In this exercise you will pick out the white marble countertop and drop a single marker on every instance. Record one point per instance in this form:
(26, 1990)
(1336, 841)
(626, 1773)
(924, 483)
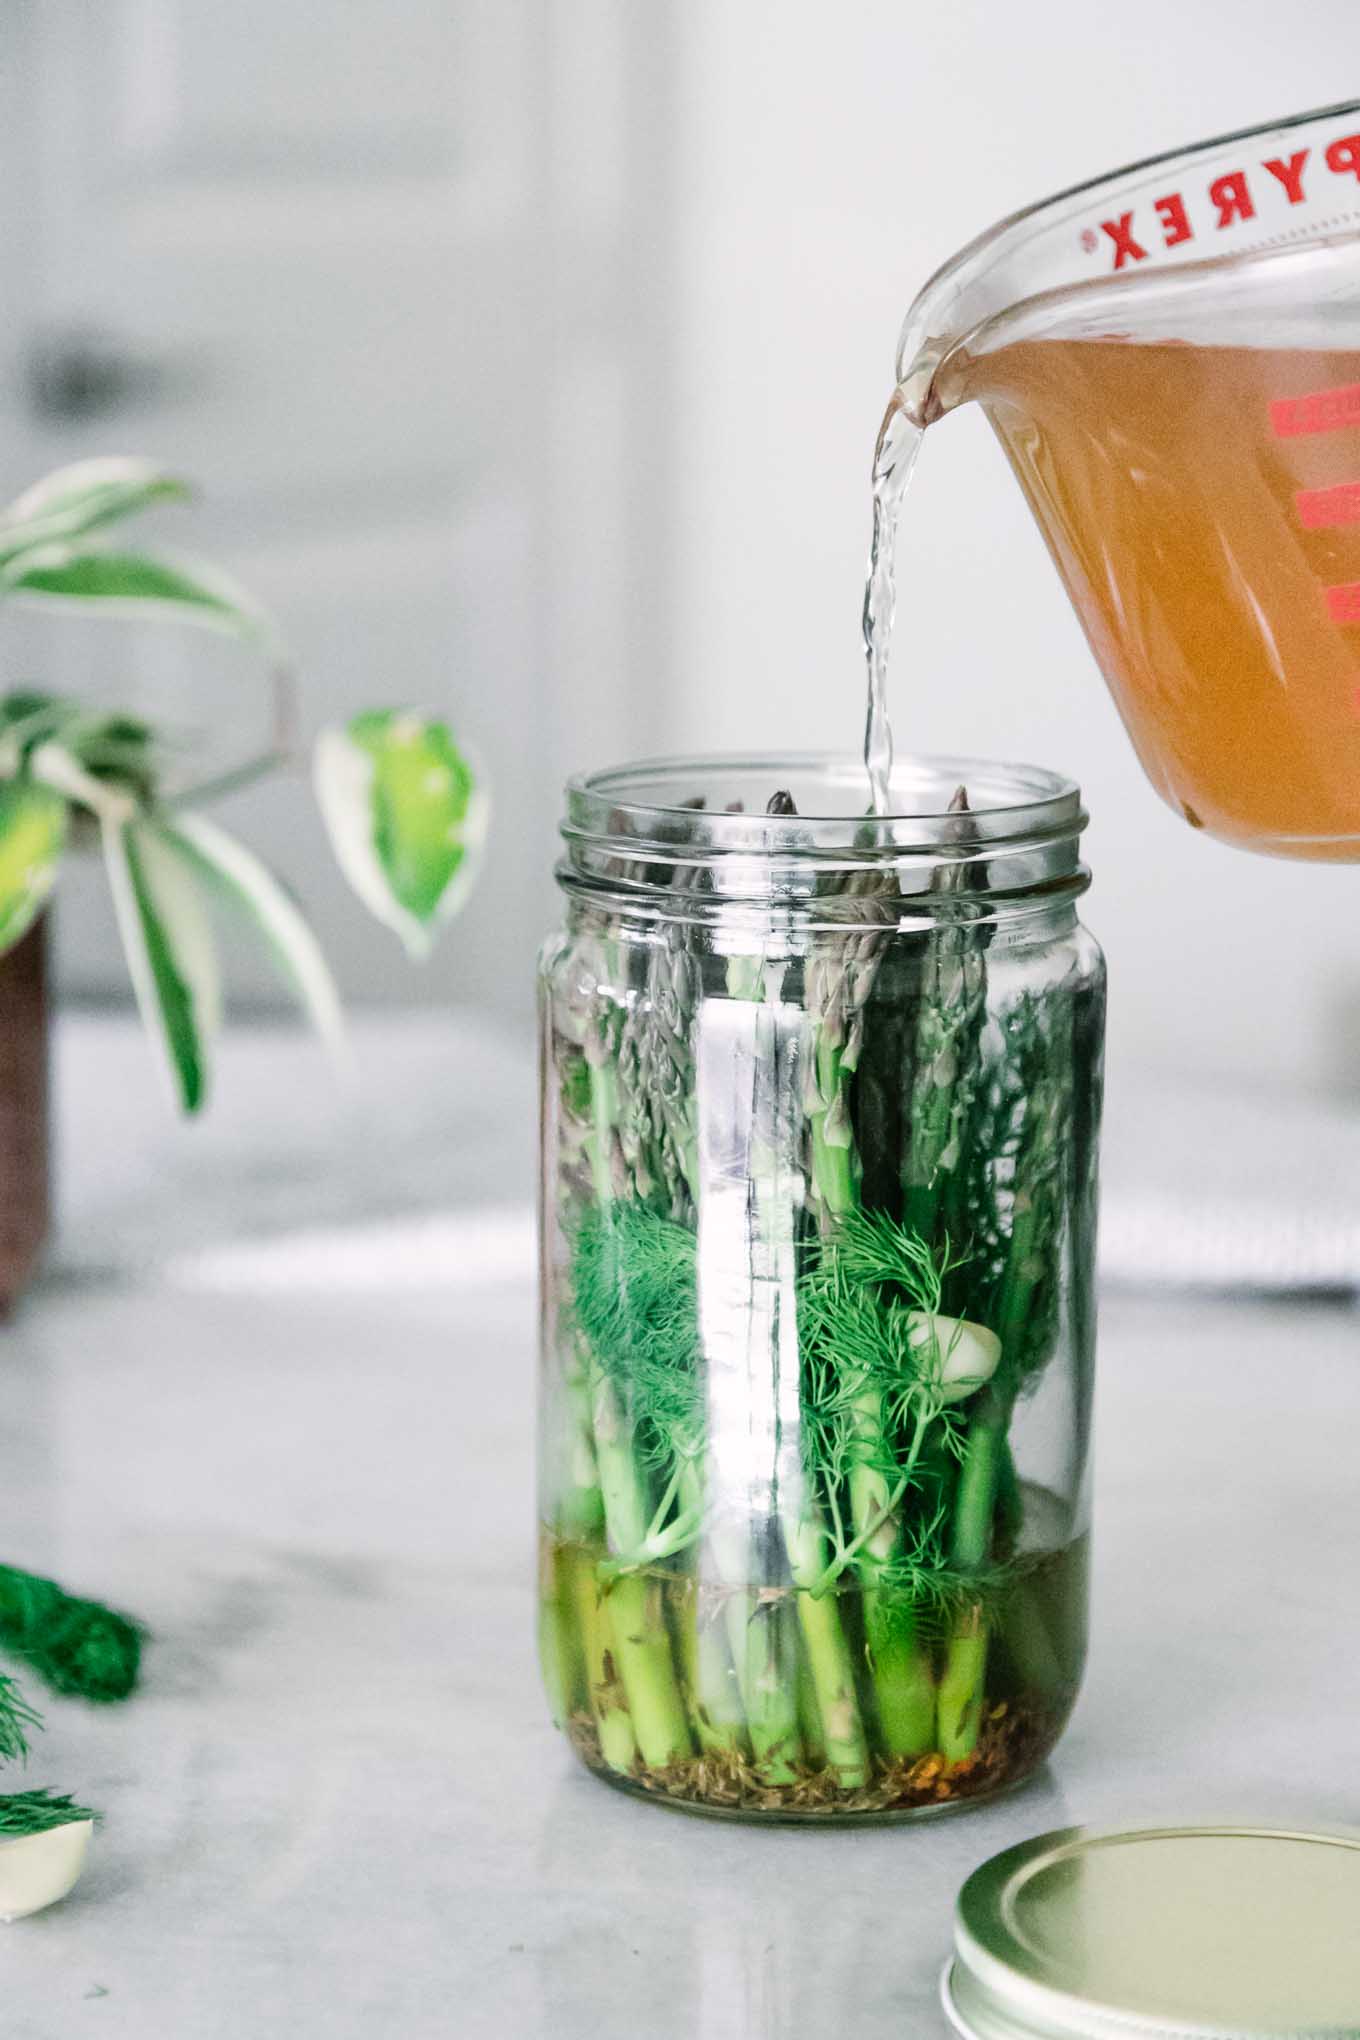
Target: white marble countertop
(337, 1807)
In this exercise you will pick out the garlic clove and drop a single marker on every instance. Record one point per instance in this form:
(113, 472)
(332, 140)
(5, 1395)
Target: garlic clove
(965, 1355)
(37, 1870)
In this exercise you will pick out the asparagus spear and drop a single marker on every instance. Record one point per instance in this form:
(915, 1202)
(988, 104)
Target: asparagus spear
(763, 1647)
(878, 1390)
(944, 1069)
(660, 1033)
(631, 1602)
(838, 980)
(573, 1638)
(607, 1695)
(838, 990)
(653, 1057)
(1041, 1066)
(625, 1632)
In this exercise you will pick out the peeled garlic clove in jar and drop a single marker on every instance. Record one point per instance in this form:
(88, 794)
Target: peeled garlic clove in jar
(37, 1870)
(964, 1356)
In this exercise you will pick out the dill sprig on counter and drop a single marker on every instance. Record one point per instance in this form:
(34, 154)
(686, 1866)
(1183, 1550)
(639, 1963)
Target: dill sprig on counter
(35, 1813)
(76, 1646)
(16, 1719)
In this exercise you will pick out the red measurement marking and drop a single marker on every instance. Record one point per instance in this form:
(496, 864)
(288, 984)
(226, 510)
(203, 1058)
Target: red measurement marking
(1320, 411)
(1343, 602)
(1320, 509)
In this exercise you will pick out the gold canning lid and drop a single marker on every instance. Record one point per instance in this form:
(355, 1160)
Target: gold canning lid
(1193, 1933)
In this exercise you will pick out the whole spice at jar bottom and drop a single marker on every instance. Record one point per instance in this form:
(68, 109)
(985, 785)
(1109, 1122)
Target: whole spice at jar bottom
(1011, 1741)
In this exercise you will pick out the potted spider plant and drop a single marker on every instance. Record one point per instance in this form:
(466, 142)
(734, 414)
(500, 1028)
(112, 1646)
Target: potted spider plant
(405, 809)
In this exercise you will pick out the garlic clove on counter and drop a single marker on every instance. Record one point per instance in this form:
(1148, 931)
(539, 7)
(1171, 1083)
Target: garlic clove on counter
(37, 1870)
(963, 1356)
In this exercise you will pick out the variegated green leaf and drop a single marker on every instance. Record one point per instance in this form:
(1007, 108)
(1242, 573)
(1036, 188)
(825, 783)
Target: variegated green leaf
(407, 814)
(53, 765)
(32, 836)
(27, 708)
(252, 887)
(133, 585)
(169, 948)
(82, 497)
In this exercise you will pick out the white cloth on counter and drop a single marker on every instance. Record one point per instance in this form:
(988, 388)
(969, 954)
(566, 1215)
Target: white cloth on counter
(1230, 1190)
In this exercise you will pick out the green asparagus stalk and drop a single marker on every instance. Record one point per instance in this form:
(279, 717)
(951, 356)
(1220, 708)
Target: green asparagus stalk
(717, 1716)
(838, 991)
(944, 1068)
(1042, 1067)
(764, 1650)
(569, 1630)
(904, 1687)
(658, 1045)
(886, 1375)
(830, 1660)
(623, 1635)
(838, 979)
(558, 1645)
(607, 1698)
(637, 1618)
(766, 1658)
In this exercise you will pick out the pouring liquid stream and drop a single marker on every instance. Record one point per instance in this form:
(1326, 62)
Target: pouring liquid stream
(899, 442)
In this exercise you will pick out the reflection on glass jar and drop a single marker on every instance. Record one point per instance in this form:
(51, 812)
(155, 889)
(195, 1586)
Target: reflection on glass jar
(820, 1111)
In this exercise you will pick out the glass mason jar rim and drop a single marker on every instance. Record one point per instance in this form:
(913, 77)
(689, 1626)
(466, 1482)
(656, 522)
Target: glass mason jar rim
(662, 827)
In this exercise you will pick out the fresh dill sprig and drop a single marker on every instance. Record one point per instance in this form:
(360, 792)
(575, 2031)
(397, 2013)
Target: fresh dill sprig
(873, 1397)
(859, 1317)
(75, 1646)
(860, 1307)
(635, 1283)
(873, 1247)
(918, 1587)
(34, 1813)
(16, 1718)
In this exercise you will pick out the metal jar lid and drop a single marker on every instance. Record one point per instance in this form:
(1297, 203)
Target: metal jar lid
(1209, 1933)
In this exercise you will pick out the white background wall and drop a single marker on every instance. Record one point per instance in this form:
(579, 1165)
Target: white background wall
(828, 159)
(563, 423)
(388, 282)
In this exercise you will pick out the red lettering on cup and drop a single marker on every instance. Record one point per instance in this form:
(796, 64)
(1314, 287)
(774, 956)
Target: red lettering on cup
(1322, 509)
(1343, 602)
(1345, 155)
(1176, 226)
(1290, 174)
(1126, 249)
(1319, 411)
(1232, 198)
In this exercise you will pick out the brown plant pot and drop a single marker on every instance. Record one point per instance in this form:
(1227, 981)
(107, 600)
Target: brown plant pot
(25, 1206)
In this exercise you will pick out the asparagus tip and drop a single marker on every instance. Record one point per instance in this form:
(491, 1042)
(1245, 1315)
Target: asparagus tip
(781, 803)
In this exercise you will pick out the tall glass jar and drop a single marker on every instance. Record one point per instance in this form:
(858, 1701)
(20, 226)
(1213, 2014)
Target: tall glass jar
(821, 1098)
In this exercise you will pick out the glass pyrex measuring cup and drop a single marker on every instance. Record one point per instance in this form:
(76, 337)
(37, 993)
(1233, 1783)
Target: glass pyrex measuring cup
(1170, 356)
